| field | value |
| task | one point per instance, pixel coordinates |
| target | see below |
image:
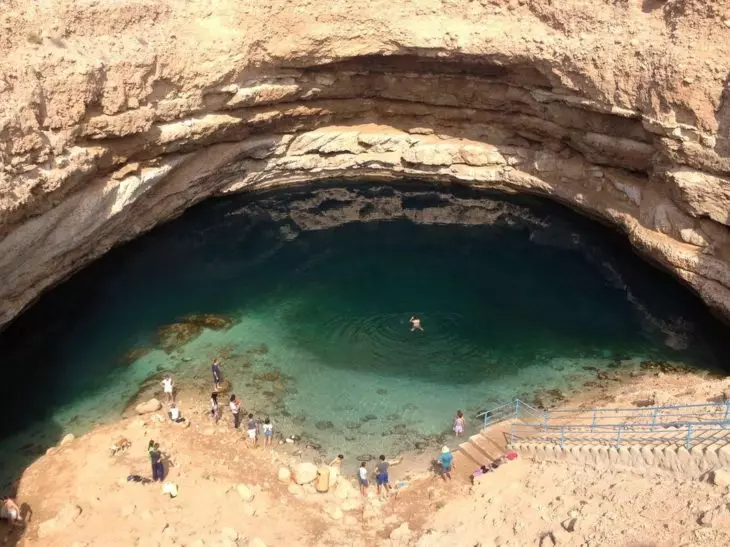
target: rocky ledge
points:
(112, 124)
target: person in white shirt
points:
(175, 413)
(268, 428)
(363, 479)
(167, 387)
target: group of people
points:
(256, 429)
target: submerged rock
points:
(270, 376)
(382, 391)
(209, 321)
(368, 418)
(134, 354)
(261, 349)
(173, 336)
(322, 424)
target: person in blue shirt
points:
(446, 459)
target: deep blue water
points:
(515, 294)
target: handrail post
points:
(593, 424)
(653, 418)
(688, 442)
(618, 437)
(562, 437)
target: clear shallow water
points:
(515, 296)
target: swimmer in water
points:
(415, 324)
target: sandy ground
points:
(523, 503)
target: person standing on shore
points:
(446, 459)
(235, 406)
(381, 475)
(459, 423)
(168, 387)
(252, 429)
(217, 376)
(268, 428)
(363, 478)
(215, 411)
(158, 470)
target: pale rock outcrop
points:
(631, 126)
(304, 473)
(63, 519)
(153, 405)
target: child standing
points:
(268, 428)
(459, 423)
(214, 409)
(252, 427)
(215, 368)
(363, 479)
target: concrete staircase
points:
(484, 447)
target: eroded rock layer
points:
(119, 115)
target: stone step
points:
(487, 446)
(473, 453)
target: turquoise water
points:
(516, 295)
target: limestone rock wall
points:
(118, 115)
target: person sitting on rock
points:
(10, 511)
(175, 414)
(252, 429)
(415, 324)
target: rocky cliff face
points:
(117, 115)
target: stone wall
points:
(694, 463)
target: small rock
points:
(333, 511)
(569, 524)
(256, 542)
(402, 533)
(245, 492)
(324, 424)
(153, 405)
(67, 439)
(304, 473)
(284, 474)
(229, 534)
(721, 477)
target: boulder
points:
(284, 474)
(402, 533)
(67, 439)
(721, 477)
(333, 511)
(61, 521)
(345, 489)
(245, 492)
(304, 473)
(153, 405)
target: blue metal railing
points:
(515, 409)
(699, 423)
(688, 435)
